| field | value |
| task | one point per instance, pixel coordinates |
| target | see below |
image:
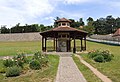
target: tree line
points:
(106, 25)
(24, 29)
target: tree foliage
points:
(25, 29)
(106, 25)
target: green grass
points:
(86, 71)
(45, 75)
(12, 48)
(111, 69)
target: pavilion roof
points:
(63, 20)
(65, 29)
(117, 33)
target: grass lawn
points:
(12, 48)
(111, 69)
(45, 75)
(86, 71)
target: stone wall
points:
(106, 37)
(20, 37)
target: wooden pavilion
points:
(62, 36)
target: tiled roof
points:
(67, 28)
(63, 20)
(117, 33)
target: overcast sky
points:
(44, 11)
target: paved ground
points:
(68, 71)
(95, 71)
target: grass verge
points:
(88, 74)
(110, 69)
(45, 75)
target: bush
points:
(37, 56)
(13, 71)
(93, 53)
(41, 58)
(35, 64)
(99, 58)
(2, 70)
(8, 63)
(20, 59)
(107, 55)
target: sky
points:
(45, 11)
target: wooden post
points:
(69, 41)
(85, 42)
(70, 45)
(42, 43)
(45, 43)
(56, 44)
(81, 44)
(74, 49)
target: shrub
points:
(99, 58)
(35, 64)
(8, 63)
(20, 59)
(37, 55)
(13, 71)
(41, 58)
(2, 70)
(107, 55)
(93, 53)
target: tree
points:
(89, 27)
(110, 24)
(90, 19)
(42, 27)
(81, 22)
(76, 24)
(72, 23)
(55, 23)
(4, 29)
(100, 26)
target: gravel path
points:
(68, 71)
